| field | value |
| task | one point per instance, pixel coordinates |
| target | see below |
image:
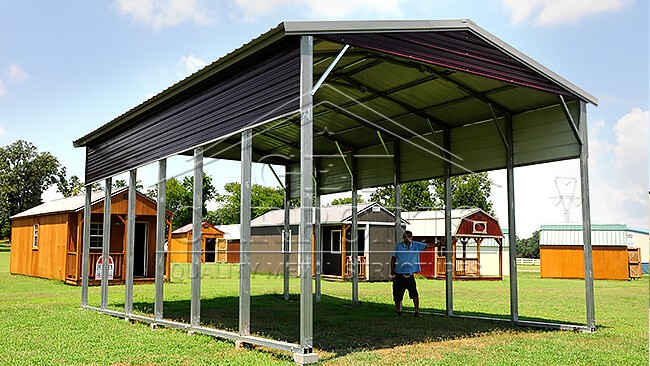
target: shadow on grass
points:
(339, 327)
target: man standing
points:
(404, 263)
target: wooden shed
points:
(561, 251)
(376, 234)
(477, 243)
(232, 234)
(46, 241)
(214, 247)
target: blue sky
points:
(68, 67)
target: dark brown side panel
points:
(256, 89)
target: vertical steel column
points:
(130, 242)
(512, 230)
(449, 275)
(245, 242)
(318, 234)
(586, 218)
(286, 240)
(306, 191)
(397, 181)
(161, 229)
(106, 241)
(354, 232)
(197, 237)
(86, 247)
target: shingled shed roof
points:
(397, 81)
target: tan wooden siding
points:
(609, 262)
(49, 260)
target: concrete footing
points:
(305, 358)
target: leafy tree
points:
(180, 198)
(528, 248)
(416, 196)
(263, 200)
(72, 187)
(346, 200)
(469, 190)
(24, 175)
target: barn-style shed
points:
(180, 245)
(561, 251)
(347, 105)
(375, 233)
(471, 228)
(46, 240)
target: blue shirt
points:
(407, 259)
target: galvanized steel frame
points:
(86, 247)
(512, 230)
(586, 220)
(245, 238)
(197, 237)
(161, 205)
(106, 241)
(130, 242)
(449, 264)
(306, 191)
(308, 188)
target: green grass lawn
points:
(41, 323)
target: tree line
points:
(25, 173)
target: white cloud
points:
(16, 74)
(631, 150)
(250, 10)
(164, 13)
(190, 64)
(552, 12)
(3, 89)
(3, 131)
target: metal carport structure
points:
(345, 105)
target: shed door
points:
(140, 250)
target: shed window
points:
(96, 235)
(35, 242)
(336, 241)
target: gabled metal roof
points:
(572, 234)
(338, 214)
(72, 204)
(399, 82)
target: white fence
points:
(528, 261)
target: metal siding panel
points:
(375, 167)
(420, 158)
(479, 146)
(255, 90)
(544, 135)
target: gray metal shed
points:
(358, 104)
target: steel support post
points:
(197, 238)
(106, 242)
(130, 242)
(512, 230)
(286, 238)
(449, 265)
(161, 229)
(586, 219)
(306, 192)
(354, 233)
(86, 247)
(245, 242)
(397, 181)
(318, 234)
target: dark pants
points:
(401, 284)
